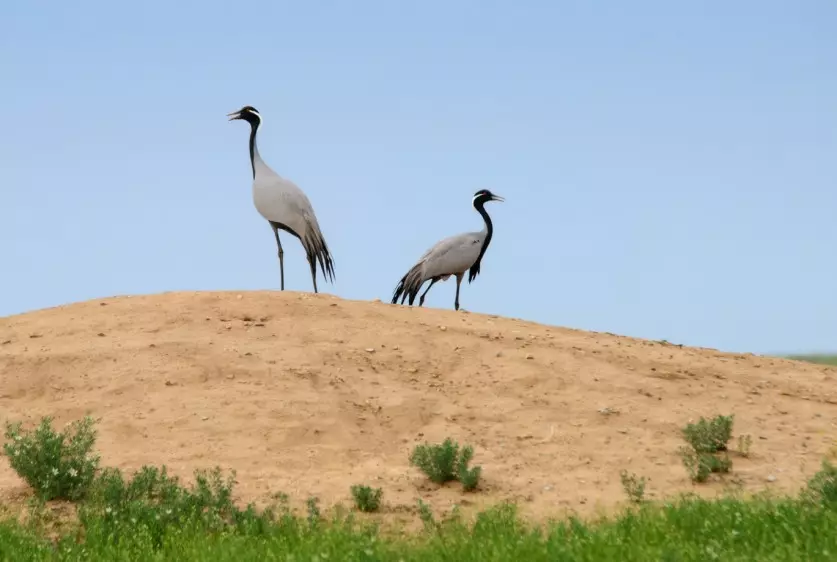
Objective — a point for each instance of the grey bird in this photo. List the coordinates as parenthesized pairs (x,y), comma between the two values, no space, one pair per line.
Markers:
(451,256)
(285,206)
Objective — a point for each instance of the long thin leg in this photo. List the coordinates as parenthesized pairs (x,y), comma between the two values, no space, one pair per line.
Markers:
(458,281)
(313,263)
(281,256)
(421,298)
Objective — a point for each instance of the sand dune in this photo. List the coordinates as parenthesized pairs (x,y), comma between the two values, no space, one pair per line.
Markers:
(307,394)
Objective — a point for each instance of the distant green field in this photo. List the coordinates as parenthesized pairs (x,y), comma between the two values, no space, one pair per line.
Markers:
(822,359)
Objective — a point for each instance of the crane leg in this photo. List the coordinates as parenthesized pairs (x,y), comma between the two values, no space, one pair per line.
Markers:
(313,263)
(421,298)
(281,257)
(458,282)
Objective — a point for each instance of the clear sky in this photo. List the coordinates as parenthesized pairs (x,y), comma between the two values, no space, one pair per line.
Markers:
(669,168)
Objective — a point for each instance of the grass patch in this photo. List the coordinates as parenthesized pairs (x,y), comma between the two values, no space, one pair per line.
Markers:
(687,529)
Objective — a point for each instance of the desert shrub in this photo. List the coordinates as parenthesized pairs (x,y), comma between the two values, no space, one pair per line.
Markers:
(57,465)
(367,499)
(706,439)
(444,462)
(633,485)
(709,436)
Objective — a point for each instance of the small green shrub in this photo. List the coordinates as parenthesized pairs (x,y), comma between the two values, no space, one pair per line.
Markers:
(437,462)
(709,436)
(822,487)
(444,463)
(57,465)
(633,485)
(367,499)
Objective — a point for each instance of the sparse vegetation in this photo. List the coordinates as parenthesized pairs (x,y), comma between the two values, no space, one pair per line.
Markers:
(367,499)
(444,462)
(151,515)
(154,505)
(633,485)
(57,465)
(707,440)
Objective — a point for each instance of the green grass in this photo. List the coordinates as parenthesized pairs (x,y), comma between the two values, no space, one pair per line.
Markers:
(821,359)
(688,529)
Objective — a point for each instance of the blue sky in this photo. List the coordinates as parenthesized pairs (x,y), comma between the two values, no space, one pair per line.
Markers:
(669,168)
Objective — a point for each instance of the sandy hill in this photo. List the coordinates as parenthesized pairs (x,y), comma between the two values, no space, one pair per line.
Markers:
(308,394)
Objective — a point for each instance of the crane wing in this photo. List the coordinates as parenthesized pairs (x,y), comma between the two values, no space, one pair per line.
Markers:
(451,255)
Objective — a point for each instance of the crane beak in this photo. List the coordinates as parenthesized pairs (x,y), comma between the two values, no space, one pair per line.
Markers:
(234,115)
(497,198)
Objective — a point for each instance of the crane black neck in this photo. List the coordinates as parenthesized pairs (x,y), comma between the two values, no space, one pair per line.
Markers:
(479,205)
(254,125)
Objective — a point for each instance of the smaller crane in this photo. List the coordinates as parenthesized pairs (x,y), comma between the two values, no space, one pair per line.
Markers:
(451,256)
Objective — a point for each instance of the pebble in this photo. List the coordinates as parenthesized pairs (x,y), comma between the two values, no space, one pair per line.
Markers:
(370,350)
(529,356)
(771,478)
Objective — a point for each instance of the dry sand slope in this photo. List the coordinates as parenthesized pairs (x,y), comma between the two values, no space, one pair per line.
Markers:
(307,394)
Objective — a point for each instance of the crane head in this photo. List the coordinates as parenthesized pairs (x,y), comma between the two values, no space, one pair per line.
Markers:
(484,196)
(247,113)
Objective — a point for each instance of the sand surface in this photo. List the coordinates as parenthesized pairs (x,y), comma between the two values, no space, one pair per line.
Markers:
(308,394)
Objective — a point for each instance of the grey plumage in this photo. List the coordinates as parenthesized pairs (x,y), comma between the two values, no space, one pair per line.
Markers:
(451,256)
(285,206)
